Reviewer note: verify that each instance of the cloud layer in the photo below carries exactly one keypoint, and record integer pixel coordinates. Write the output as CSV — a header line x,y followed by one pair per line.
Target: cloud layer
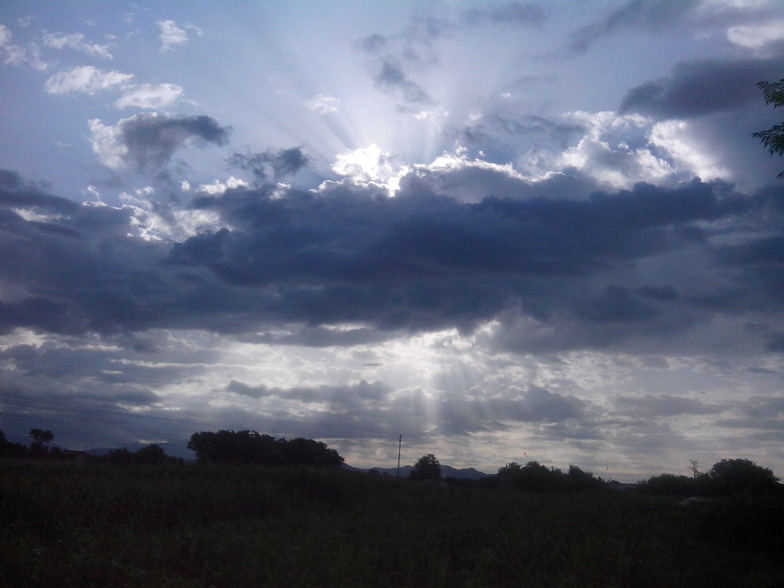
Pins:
x,y
587,272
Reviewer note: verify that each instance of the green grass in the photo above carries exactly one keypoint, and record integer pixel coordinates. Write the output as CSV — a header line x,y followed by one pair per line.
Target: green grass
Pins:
x,y
90,524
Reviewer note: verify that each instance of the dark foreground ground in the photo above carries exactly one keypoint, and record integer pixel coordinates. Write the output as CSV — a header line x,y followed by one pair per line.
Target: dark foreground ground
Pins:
x,y
90,524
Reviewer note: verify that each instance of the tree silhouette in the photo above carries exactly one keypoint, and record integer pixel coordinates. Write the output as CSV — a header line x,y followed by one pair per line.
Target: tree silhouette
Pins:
x,y
670,485
40,439
773,138
8,449
236,447
426,468
251,447
733,476
535,477
152,453
302,451
726,477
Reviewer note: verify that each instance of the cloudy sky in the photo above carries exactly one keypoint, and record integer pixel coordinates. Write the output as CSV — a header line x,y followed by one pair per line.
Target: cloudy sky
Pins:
x,y
505,230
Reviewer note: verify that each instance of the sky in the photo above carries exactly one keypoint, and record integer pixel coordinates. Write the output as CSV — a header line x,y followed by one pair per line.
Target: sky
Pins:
x,y
507,231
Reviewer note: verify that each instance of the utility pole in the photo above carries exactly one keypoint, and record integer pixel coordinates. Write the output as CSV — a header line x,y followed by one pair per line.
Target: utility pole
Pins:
x,y
399,445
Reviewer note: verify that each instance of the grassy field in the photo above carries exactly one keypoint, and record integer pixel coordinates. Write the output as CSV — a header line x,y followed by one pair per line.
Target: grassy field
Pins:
x,y
91,524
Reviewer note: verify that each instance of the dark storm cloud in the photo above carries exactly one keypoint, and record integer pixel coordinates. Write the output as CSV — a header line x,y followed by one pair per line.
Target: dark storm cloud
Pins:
x,y
364,408
663,405
415,262
110,425
775,343
647,14
390,77
617,304
271,164
759,263
16,192
317,336
341,398
370,409
430,261
152,139
396,57
703,87
459,415
508,124
78,272
64,384
539,404
658,293
504,134
760,414
766,251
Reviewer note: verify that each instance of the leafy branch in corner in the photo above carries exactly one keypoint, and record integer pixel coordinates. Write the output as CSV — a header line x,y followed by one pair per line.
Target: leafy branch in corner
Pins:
x,y
773,138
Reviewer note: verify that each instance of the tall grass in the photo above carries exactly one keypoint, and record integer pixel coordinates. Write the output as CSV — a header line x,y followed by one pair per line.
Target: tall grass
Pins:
x,y
197,525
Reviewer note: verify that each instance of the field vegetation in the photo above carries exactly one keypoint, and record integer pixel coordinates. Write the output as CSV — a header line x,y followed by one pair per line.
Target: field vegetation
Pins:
x,y
214,524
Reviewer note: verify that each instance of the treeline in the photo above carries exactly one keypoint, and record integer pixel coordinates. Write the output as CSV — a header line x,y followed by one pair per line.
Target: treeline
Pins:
x,y
726,478
222,447
39,447
535,477
532,477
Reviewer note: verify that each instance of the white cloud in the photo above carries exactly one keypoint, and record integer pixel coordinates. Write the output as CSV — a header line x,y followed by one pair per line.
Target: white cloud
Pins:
x,y
736,3
19,56
106,143
616,150
76,42
467,180
94,193
150,96
757,36
674,136
217,187
322,104
5,35
84,79
369,165
147,222
171,35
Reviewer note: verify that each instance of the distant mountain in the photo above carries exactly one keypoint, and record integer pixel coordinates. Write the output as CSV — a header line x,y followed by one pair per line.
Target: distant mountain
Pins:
x,y
446,472
171,449
464,473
